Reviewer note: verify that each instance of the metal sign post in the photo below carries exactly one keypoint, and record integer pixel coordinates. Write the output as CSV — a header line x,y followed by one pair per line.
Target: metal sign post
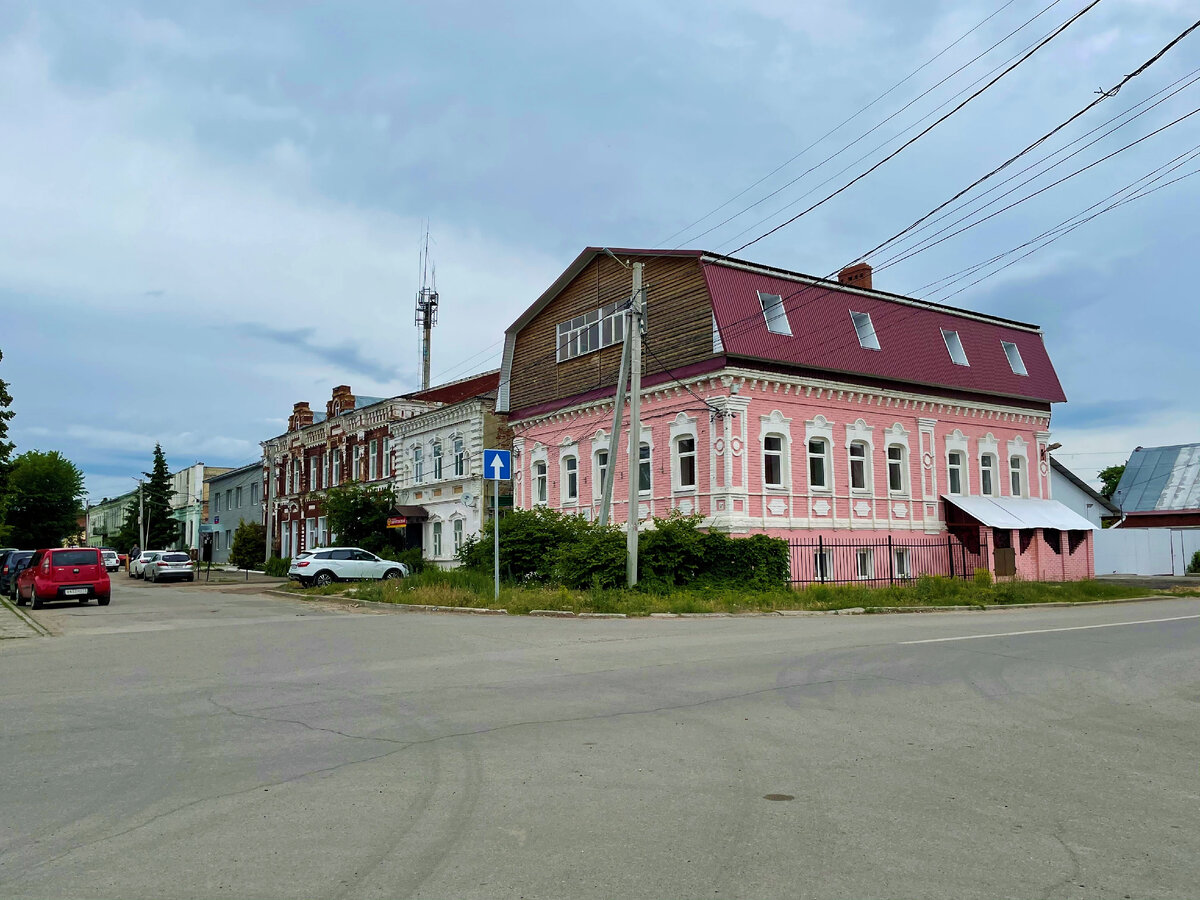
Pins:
x,y
497,467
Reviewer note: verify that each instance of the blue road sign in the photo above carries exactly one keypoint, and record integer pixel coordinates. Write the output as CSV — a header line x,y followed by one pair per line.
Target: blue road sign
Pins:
x,y
497,465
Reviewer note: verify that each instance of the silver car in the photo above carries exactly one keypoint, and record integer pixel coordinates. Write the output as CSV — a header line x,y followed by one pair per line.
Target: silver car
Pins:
x,y
137,567
325,565
170,565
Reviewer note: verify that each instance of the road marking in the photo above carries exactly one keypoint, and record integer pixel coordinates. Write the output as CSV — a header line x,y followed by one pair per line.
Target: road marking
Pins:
x,y
975,637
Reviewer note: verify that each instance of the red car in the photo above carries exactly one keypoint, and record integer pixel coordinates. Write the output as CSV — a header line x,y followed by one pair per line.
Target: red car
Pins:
x,y
69,573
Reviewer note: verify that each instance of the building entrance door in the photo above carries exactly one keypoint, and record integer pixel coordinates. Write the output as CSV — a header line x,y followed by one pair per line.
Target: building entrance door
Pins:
x,y
1006,557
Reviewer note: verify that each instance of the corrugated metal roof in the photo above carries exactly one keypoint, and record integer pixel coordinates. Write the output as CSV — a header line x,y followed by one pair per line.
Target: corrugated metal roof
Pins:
x,y
909,332
1015,512
463,389
1160,478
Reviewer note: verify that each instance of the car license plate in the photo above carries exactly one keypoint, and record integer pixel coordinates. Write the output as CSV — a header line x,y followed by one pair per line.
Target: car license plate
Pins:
x,y
71,592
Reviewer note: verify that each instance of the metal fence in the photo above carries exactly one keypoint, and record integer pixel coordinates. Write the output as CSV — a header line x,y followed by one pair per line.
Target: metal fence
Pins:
x,y
887,561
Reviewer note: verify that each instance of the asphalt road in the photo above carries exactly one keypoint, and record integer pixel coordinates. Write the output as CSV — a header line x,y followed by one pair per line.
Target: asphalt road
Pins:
x,y
188,743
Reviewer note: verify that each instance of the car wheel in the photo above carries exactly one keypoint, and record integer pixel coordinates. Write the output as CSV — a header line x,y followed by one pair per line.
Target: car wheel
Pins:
x,y
19,598
152,578
83,601
34,600
102,601
324,578
391,574
191,579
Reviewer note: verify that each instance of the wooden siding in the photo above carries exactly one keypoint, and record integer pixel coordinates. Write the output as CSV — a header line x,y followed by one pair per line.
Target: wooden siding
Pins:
x,y
678,329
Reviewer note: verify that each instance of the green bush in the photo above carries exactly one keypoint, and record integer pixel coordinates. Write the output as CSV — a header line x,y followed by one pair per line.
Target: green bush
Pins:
x,y
277,567
529,543
249,546
596,560
983,578
411,558
1194,566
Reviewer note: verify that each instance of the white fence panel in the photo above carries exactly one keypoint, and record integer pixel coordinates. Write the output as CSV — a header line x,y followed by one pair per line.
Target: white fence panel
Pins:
x,y
1145,551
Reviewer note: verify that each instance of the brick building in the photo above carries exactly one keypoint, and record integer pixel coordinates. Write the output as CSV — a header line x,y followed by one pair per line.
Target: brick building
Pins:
x,y
884,436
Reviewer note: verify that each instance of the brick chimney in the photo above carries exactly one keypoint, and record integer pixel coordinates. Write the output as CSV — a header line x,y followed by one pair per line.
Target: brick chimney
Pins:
x,y
857,275
301,416
342,401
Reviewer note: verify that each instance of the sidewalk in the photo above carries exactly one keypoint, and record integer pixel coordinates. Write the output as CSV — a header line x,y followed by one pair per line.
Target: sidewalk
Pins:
x,y
16,623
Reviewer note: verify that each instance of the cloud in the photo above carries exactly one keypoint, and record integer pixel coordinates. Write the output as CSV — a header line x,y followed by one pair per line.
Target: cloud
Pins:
x,y
346,356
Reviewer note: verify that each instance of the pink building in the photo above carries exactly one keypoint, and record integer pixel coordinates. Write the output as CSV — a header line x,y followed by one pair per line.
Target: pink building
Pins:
x,y
885,437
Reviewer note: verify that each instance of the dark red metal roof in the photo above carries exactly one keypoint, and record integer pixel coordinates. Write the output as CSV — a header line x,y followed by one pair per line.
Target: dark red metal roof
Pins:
x,y
909,332
457,391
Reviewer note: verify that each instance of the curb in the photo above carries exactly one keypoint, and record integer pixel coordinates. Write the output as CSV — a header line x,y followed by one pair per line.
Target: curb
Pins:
x,y
29,620
1001,607
553,613
399,607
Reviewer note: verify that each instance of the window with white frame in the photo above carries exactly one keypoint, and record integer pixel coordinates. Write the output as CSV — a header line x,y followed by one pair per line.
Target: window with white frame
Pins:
x,y
437,460
896,468
541,486
776,315
1013,352
955,460
387,456
237,496
864,562
356,469
217,502
601,470
860,472
822,565
418,464
373,461
865,329
685,462
253,493
644,481
958,355
900,567
437,539
460,458
597,328
818,464
987,475
570,479
458,535
337,466
773,460
1016,468
325,467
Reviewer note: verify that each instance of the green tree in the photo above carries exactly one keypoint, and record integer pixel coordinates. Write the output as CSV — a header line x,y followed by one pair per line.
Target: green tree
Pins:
x,y
130,533
1109,479
6,446
249,546
162,531
358,515
43,501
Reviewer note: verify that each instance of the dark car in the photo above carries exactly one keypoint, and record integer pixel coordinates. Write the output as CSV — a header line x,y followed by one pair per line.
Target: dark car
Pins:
x,y
67,573
12,563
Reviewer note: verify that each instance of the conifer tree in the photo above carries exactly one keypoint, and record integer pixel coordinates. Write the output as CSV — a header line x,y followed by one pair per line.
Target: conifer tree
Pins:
x,y
162,531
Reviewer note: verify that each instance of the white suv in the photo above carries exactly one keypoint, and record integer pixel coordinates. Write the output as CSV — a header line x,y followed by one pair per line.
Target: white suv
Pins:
x,y
326,565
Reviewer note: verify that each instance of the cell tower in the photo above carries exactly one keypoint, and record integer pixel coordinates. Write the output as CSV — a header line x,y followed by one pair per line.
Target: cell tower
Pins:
x,y
427,307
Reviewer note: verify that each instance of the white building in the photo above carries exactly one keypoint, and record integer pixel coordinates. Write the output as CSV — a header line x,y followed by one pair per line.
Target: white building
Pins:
x,y
189,503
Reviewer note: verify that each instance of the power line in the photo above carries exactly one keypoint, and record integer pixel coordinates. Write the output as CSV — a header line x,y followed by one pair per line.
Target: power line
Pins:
x,y
927,129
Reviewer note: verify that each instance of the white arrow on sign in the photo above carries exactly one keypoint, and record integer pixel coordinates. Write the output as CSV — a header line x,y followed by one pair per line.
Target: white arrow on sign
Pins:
x,y
497,467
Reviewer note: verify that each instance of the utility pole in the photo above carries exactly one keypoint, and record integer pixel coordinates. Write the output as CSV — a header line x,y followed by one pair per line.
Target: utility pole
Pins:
x,y
270,512
634,340
610,470
141,516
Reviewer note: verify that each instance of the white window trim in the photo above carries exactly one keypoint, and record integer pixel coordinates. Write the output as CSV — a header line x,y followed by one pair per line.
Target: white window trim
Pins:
x,y
373,461
819,428
864,328
599,444
569,452
683,427
1018,447
776,425
955,344
862,433
437,461
648,440
868,554
897,436
1018,365
539,455
956,442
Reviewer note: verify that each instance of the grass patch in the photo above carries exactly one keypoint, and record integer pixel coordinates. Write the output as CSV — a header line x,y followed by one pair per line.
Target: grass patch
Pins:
x,y
461,587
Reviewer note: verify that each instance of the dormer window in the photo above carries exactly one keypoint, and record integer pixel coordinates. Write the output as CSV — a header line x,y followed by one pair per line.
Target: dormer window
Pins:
x,y
1013,352
772,307
867,339
958,355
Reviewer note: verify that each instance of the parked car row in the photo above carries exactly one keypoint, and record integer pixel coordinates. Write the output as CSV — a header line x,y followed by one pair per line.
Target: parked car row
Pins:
x,y
162,565
66,573
325,565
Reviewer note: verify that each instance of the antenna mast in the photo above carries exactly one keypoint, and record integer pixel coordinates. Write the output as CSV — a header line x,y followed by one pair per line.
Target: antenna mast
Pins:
x,y
427,306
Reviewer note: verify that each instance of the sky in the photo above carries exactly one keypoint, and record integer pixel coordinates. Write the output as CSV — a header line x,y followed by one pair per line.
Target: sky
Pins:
x,y
210,211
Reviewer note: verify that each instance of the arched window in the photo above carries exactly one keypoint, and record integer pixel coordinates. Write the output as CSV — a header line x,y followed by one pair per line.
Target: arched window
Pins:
x,y
437,539
644,468
685,462
418,464
773,460
818,465
1016,468
458,535
860,472
437,460
601,472
954,462
460,458
896,468
570,479
987,475
540,488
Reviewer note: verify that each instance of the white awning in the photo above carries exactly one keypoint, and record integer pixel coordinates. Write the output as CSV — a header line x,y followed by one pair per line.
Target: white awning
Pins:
x,y
1014,512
